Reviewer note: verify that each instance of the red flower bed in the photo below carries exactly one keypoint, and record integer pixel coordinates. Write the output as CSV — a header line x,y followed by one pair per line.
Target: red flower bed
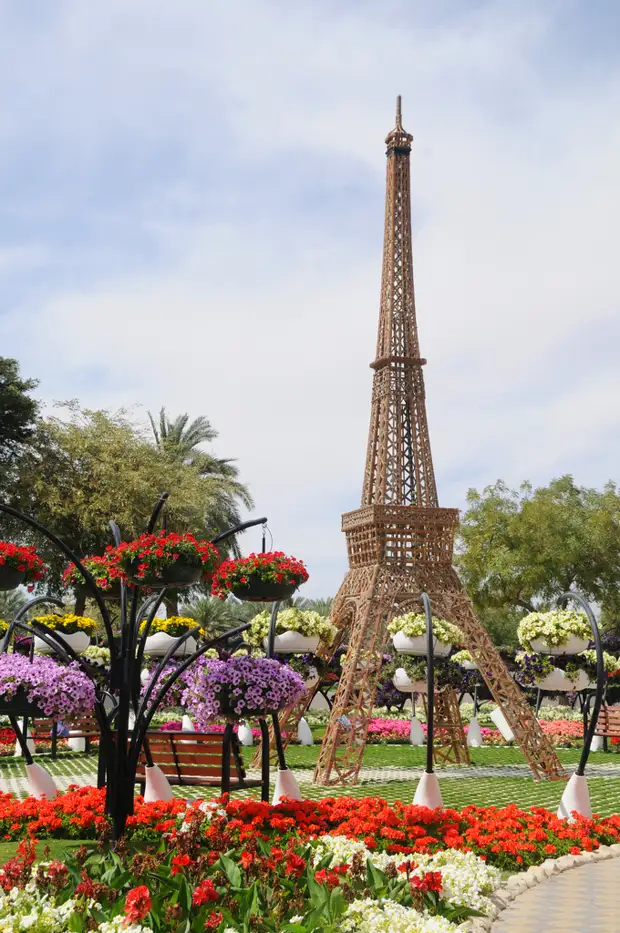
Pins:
x,y
23,559
507,837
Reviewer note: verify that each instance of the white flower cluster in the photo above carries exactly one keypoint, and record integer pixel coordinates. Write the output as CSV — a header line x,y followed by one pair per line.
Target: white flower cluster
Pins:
x,y
119,925
553,627
369,916
209,809
28,908
413,625
467,880
309,624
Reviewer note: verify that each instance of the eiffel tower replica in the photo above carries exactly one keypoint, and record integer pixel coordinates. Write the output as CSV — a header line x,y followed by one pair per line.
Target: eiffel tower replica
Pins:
x,y
400,542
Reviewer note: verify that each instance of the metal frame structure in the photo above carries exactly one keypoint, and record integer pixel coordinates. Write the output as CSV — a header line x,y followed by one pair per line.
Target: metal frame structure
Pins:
x,y
121,745
400,542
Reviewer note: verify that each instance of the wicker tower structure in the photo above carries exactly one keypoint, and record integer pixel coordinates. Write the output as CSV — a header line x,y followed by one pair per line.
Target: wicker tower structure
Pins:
x,y
400,542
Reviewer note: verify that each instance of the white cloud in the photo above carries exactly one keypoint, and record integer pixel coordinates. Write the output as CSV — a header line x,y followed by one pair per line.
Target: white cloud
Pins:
x,y
267,323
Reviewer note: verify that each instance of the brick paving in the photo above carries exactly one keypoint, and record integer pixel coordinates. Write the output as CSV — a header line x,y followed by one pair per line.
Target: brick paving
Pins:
x,y
583,900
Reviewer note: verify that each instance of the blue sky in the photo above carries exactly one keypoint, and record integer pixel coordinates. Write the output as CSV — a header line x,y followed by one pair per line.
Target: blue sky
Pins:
x,y
202,184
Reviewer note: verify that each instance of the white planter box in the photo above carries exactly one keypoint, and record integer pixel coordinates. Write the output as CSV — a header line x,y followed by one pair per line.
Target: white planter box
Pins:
x,y
79,641
572,645
557,680
157,645
402,682
294,643
417,646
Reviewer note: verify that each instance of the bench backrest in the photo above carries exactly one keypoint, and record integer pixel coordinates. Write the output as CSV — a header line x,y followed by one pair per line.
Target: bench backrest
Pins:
x,y
609,720
193,755
43,727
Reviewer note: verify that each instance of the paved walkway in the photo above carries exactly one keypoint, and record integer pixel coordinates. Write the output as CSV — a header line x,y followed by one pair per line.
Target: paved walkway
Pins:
x,y
582,900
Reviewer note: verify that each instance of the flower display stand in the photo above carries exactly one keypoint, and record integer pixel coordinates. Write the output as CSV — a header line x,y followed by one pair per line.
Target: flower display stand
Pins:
x,y
286,786
427,793
416,732
304,733
474,734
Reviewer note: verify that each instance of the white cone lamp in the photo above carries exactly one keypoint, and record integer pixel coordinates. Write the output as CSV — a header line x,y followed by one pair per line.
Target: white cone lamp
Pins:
x,y
576,797
598,743
76,743
157,786
40,782
304,733
186,724
502,724
29,743
427,793
474,735
245,734
416,732
286,786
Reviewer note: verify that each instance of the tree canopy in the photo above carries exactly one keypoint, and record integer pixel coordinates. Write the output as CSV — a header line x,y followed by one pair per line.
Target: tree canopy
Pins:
x,y
79,473
523,548
18,410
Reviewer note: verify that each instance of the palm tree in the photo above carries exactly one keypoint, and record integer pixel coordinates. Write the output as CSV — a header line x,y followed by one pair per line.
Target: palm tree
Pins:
x,y
214,615
10,603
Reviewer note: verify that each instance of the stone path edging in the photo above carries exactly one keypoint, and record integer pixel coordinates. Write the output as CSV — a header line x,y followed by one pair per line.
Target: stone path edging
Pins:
x,y
535,874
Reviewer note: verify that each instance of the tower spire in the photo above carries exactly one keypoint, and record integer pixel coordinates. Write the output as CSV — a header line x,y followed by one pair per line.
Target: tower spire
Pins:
x,y
399,466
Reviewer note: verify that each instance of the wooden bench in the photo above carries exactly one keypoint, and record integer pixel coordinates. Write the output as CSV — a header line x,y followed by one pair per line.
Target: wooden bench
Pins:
x,y
84,727
608,724
195,759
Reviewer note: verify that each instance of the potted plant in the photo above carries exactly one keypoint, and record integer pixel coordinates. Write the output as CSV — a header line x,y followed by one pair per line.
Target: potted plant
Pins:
x,y
19,565
43,688
537,670
98,656
75,631
582,669
464,659
409,674
239,689
297,631
305,668
561,631
158,560
262,578
106,571
409,634
164,632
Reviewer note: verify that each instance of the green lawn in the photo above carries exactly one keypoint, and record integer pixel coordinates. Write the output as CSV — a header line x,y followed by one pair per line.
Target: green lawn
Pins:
x,y
457,791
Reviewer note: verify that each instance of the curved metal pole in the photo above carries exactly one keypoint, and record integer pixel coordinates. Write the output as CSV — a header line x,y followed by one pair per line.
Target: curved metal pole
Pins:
x,y
155,513
90,581
277,733
600,675
37,601
430,682
237,528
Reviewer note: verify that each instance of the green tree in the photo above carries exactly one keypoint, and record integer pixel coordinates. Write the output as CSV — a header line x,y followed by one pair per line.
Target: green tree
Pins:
x,y
18,411
522,548
78,474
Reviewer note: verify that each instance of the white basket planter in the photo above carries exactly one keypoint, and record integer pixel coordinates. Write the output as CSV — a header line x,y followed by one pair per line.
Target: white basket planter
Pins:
x,y
403,683
404,644
572,645
468,665
79,641
293,643
558,680
157,645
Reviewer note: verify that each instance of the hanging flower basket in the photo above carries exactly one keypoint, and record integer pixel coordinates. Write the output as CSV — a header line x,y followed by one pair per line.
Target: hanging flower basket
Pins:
x,y
562,631
56,691
403,682
239,688
164,632
75,631
106,572
260,578
297,631
19,565
167,560
19,705
409,635
464,660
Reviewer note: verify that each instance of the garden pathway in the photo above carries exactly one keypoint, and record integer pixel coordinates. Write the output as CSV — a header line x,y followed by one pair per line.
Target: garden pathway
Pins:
x,y
582,900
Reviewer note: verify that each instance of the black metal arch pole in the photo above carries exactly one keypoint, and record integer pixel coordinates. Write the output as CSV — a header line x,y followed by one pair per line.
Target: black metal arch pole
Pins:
x,y
600,675
430,682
